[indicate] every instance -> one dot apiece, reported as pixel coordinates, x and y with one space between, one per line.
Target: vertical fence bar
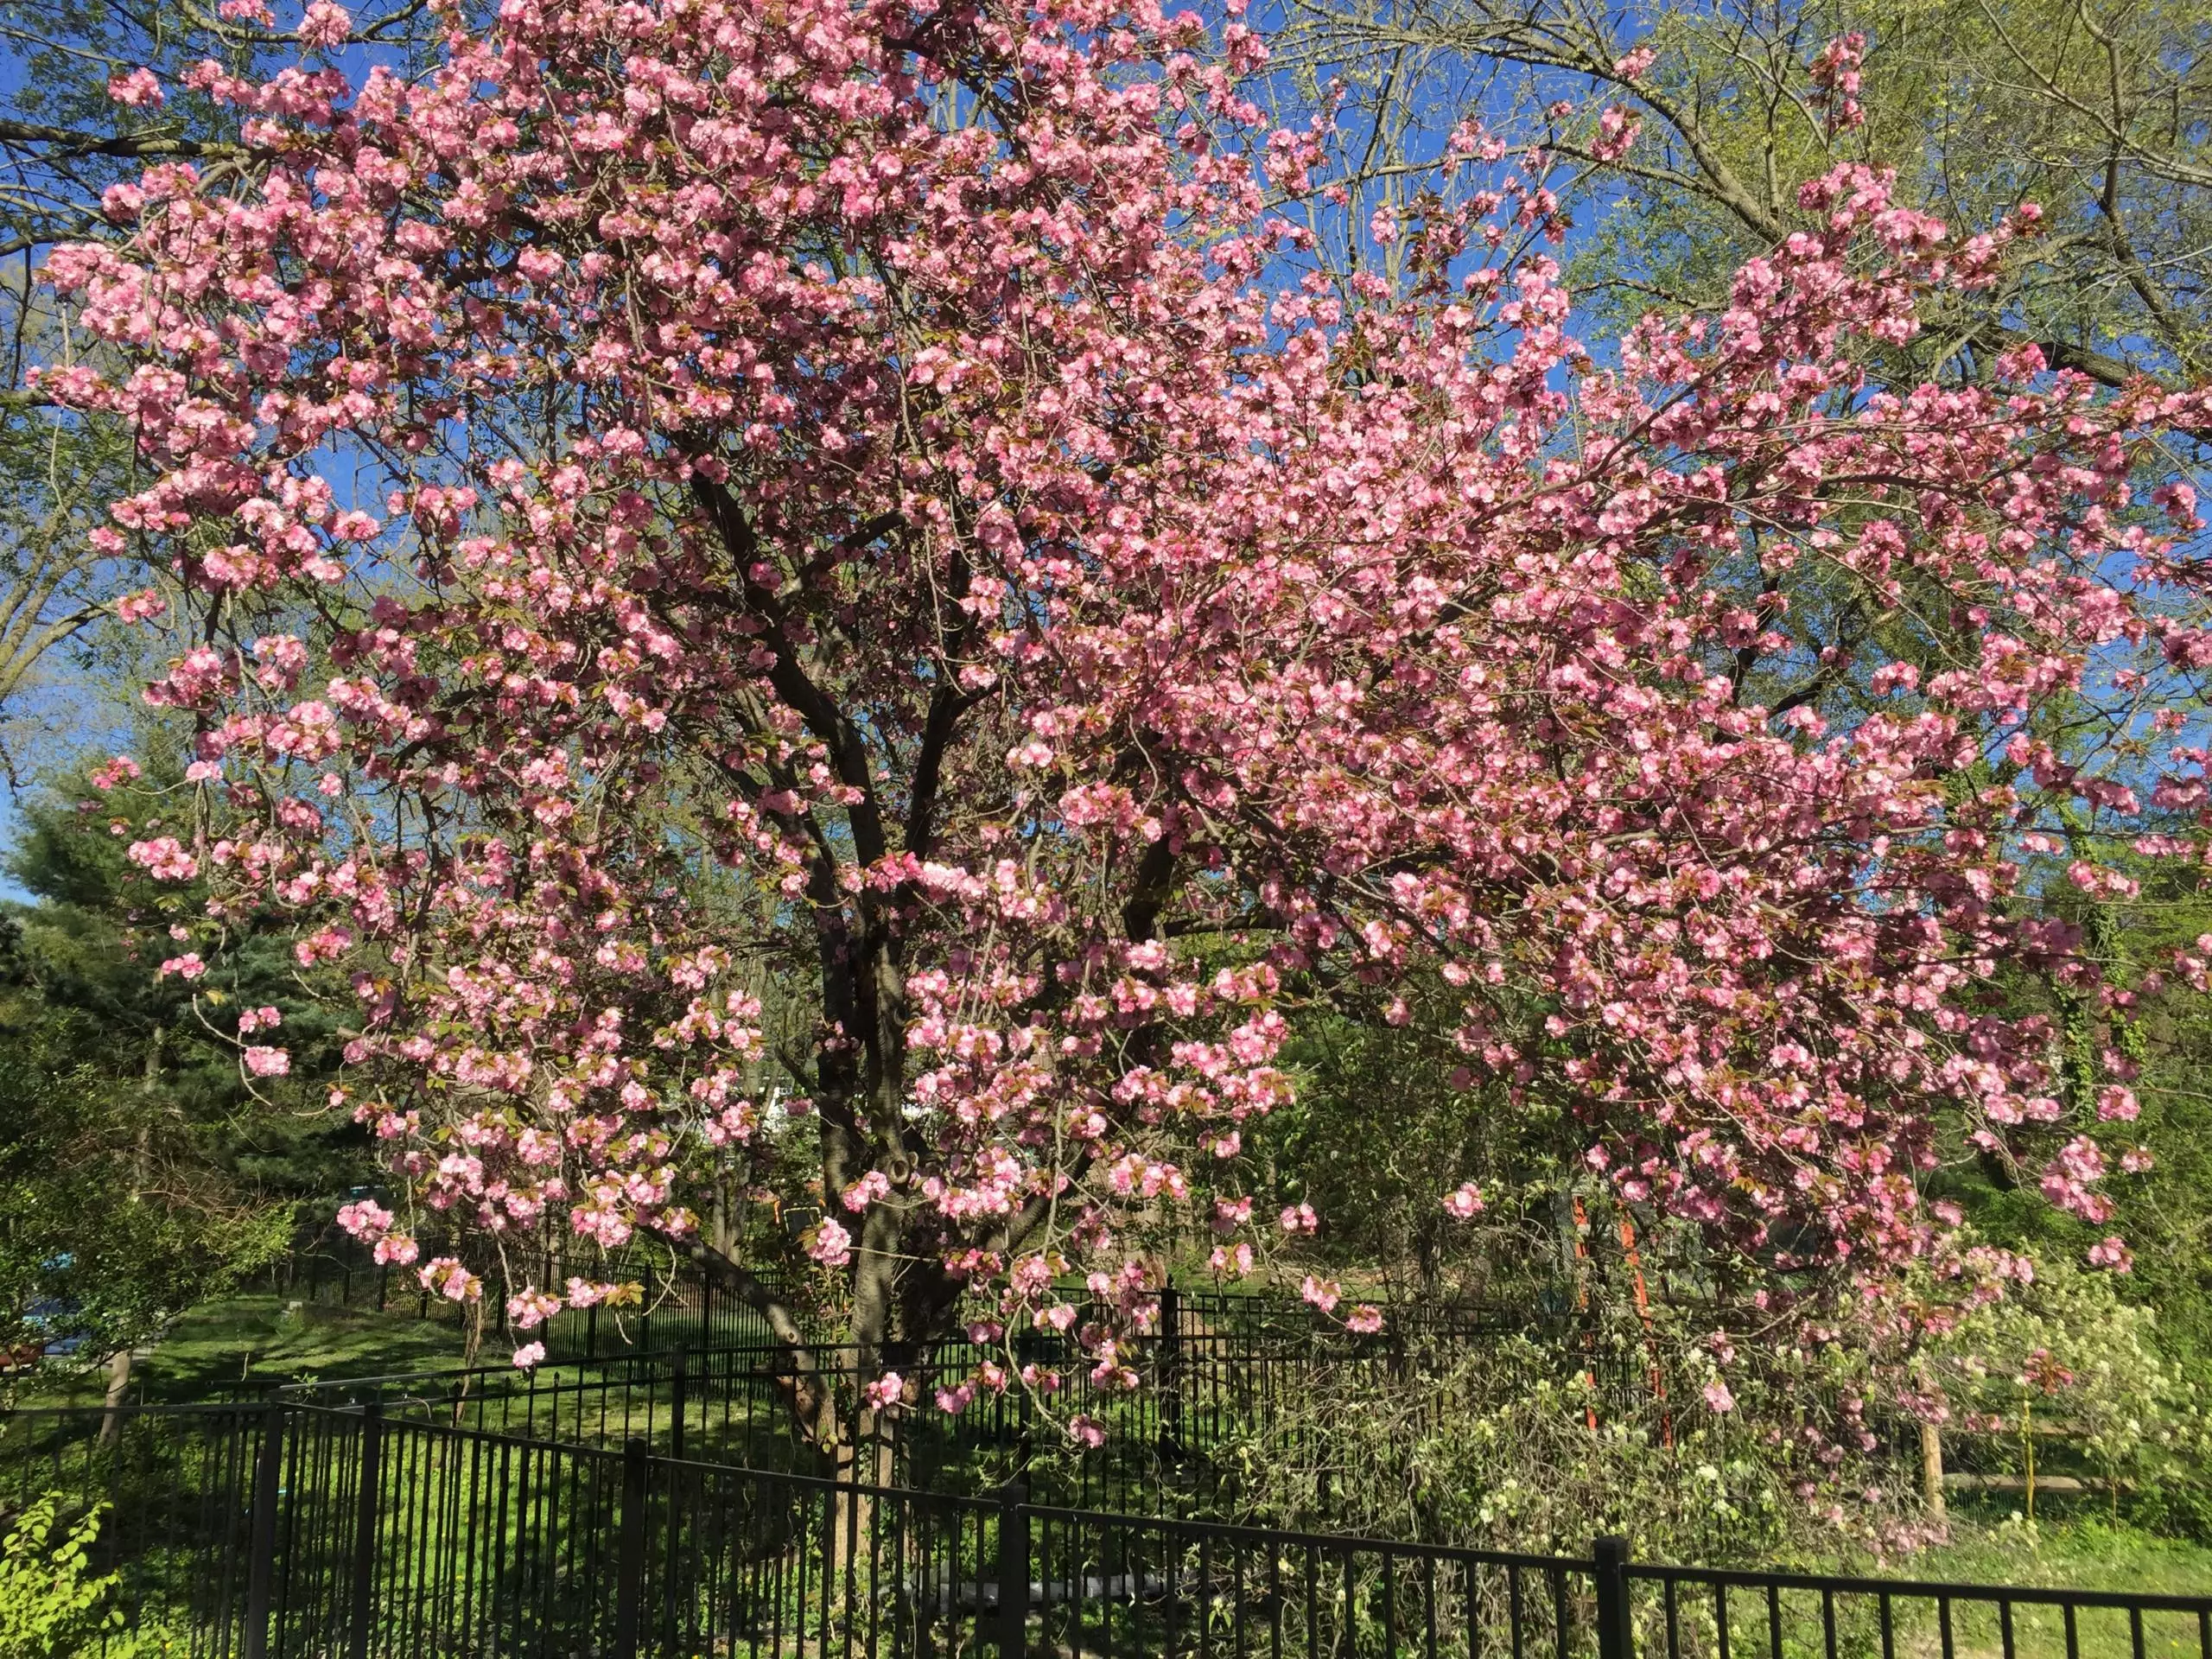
1616 1636
630 1564
1013 1570
1171 1368
678 1381
261 1565
368 1494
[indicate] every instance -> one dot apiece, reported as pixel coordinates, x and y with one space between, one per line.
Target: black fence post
261 1559
678 1405
1013 1570
1609 1557
367 1497
1171 1368
679 1370
630 1564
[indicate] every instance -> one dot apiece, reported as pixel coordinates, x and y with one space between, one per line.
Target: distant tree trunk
119 1364
1657 1375
1931 1471
118 1385
472 1343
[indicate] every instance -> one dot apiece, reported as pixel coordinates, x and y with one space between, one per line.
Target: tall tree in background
145 1166
2093 112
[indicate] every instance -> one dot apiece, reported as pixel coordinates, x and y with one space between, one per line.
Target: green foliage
109 1231
141 1171
53 1605
1530 1443
2067 1354
1378 1134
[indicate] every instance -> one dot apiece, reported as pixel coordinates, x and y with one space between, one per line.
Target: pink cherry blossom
529 1308
1835 74
830 1244
137 90
365 1218
264 1062
325 24
2113 1253
164 859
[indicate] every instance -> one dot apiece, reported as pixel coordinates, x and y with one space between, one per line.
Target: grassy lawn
2086 1553
1986 1548
248 1340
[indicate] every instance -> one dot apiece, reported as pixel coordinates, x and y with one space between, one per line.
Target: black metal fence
291 1532
1207 1398
682 1308
678 1307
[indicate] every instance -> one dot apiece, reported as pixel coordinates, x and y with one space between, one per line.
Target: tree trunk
725 1238
118 1385
471 1321
813 1398
1931 1471
119 1364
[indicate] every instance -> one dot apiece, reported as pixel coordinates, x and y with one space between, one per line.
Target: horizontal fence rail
291 1531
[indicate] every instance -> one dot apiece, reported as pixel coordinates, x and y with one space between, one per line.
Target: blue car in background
50 1313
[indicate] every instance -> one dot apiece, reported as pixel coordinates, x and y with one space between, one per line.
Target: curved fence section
682 1306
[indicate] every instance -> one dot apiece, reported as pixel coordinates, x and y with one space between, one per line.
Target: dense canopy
842 562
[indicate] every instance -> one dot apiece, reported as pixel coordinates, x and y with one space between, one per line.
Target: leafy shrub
52 1604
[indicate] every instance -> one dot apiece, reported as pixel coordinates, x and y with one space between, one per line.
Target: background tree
146 1169
2093 112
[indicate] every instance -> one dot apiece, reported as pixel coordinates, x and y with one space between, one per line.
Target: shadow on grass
247 1341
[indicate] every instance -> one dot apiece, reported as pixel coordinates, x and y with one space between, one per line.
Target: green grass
2081 1552
247 1340
1987 1548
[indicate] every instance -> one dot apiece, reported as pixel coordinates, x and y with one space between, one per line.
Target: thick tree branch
848 749
68 143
